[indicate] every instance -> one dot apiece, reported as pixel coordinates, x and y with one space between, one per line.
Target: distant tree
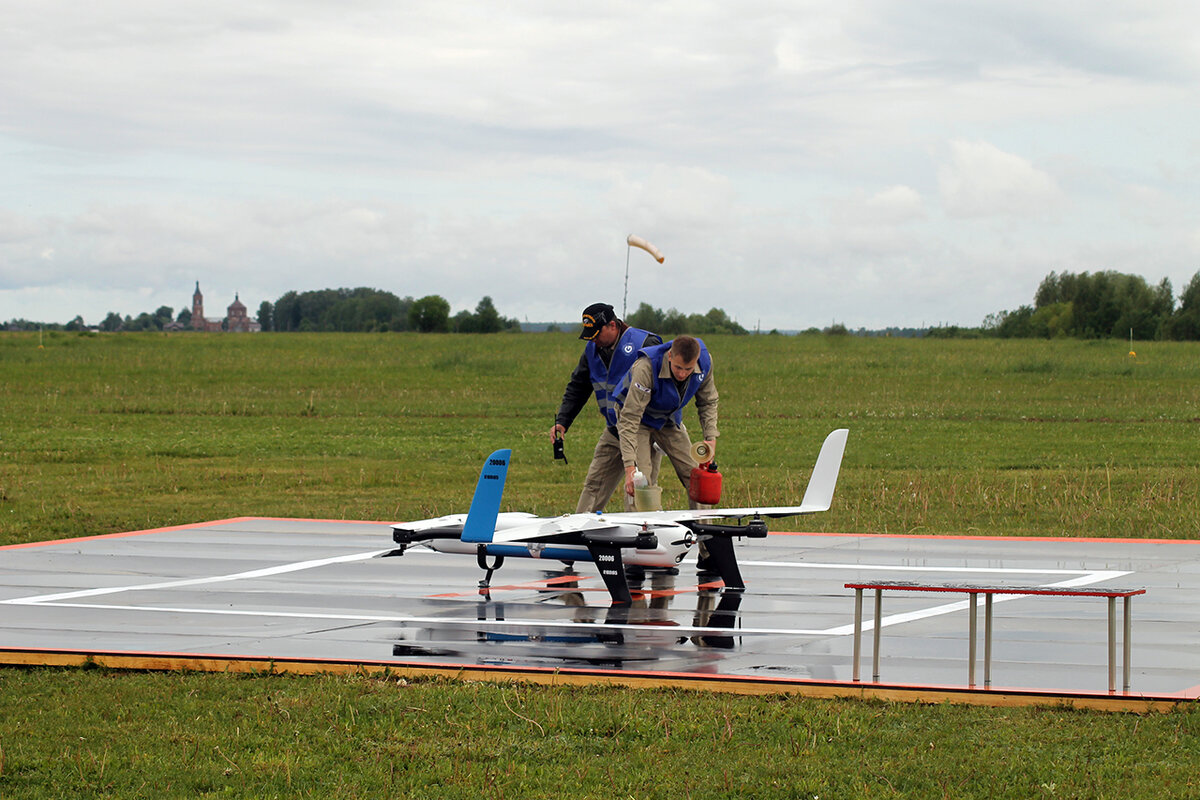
487 318
264 315
1184 324
112 322
1090 305
1053 321
76 324
646 317
162 316
715 321
1013 324
429 314
1104 304
30 325
938 332
401 322
360 309
185 317
464 322
287 313
673 322
142 322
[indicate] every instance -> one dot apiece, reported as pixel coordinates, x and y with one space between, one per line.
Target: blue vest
607 379
666 401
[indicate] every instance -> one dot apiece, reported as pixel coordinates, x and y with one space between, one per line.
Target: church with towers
236 320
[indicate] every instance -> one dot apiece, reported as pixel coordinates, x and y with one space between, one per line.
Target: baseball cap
595 317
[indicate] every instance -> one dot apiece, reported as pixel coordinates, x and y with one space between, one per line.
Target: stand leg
1127 644
857 630
972 626
1112 645
878 627
987 641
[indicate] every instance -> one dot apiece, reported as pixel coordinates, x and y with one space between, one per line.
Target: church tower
198 309
236 319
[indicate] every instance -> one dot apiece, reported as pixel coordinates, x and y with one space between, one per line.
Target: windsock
637 241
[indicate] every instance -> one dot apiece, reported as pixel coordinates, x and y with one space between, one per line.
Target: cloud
894 205
981 180
879 162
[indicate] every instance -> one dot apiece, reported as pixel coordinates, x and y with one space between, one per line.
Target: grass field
110 433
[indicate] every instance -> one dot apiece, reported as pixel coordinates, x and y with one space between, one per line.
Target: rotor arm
407 536
718 540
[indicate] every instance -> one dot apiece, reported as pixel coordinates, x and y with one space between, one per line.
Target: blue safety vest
607 379
666 401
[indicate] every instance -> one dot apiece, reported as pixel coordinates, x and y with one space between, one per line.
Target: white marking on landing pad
1084 578
236 576
894 568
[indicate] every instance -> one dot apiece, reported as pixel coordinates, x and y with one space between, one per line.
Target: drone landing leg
612 570
720 552
481 559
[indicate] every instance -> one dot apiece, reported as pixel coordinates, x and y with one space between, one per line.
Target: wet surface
317 590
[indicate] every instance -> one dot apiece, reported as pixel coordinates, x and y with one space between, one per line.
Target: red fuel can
705 486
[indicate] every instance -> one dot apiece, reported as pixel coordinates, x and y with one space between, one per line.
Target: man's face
680 369
608 335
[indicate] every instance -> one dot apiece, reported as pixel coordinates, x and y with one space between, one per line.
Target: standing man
663 380
612 348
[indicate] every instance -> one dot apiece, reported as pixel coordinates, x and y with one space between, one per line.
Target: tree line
373 310
672 323
1099 305
1085 305
342 310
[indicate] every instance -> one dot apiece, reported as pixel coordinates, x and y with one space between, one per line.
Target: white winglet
819 494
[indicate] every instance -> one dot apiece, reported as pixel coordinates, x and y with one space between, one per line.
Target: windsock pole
625 299
636 241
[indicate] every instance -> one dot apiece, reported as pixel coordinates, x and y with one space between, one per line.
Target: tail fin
819 494
485 507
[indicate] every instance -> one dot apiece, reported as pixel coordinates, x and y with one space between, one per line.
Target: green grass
111 433
93 733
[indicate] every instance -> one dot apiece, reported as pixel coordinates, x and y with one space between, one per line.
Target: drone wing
818 496
550 527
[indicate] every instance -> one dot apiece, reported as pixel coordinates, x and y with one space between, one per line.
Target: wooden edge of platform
743 685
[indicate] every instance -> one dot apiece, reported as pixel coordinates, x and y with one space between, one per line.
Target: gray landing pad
313 590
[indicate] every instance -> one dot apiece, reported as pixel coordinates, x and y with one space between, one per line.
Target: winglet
818 496
485 506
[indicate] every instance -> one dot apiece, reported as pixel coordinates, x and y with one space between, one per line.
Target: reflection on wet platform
316 591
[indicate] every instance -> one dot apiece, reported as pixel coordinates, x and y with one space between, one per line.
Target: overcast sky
872 163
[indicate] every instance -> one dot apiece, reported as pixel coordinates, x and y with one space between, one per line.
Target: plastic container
705 485
648 498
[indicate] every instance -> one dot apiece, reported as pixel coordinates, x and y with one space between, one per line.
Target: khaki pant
606 474
677 446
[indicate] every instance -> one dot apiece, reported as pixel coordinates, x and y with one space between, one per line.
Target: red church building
236 320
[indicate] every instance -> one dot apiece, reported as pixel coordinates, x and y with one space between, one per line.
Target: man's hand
629 480
557 432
